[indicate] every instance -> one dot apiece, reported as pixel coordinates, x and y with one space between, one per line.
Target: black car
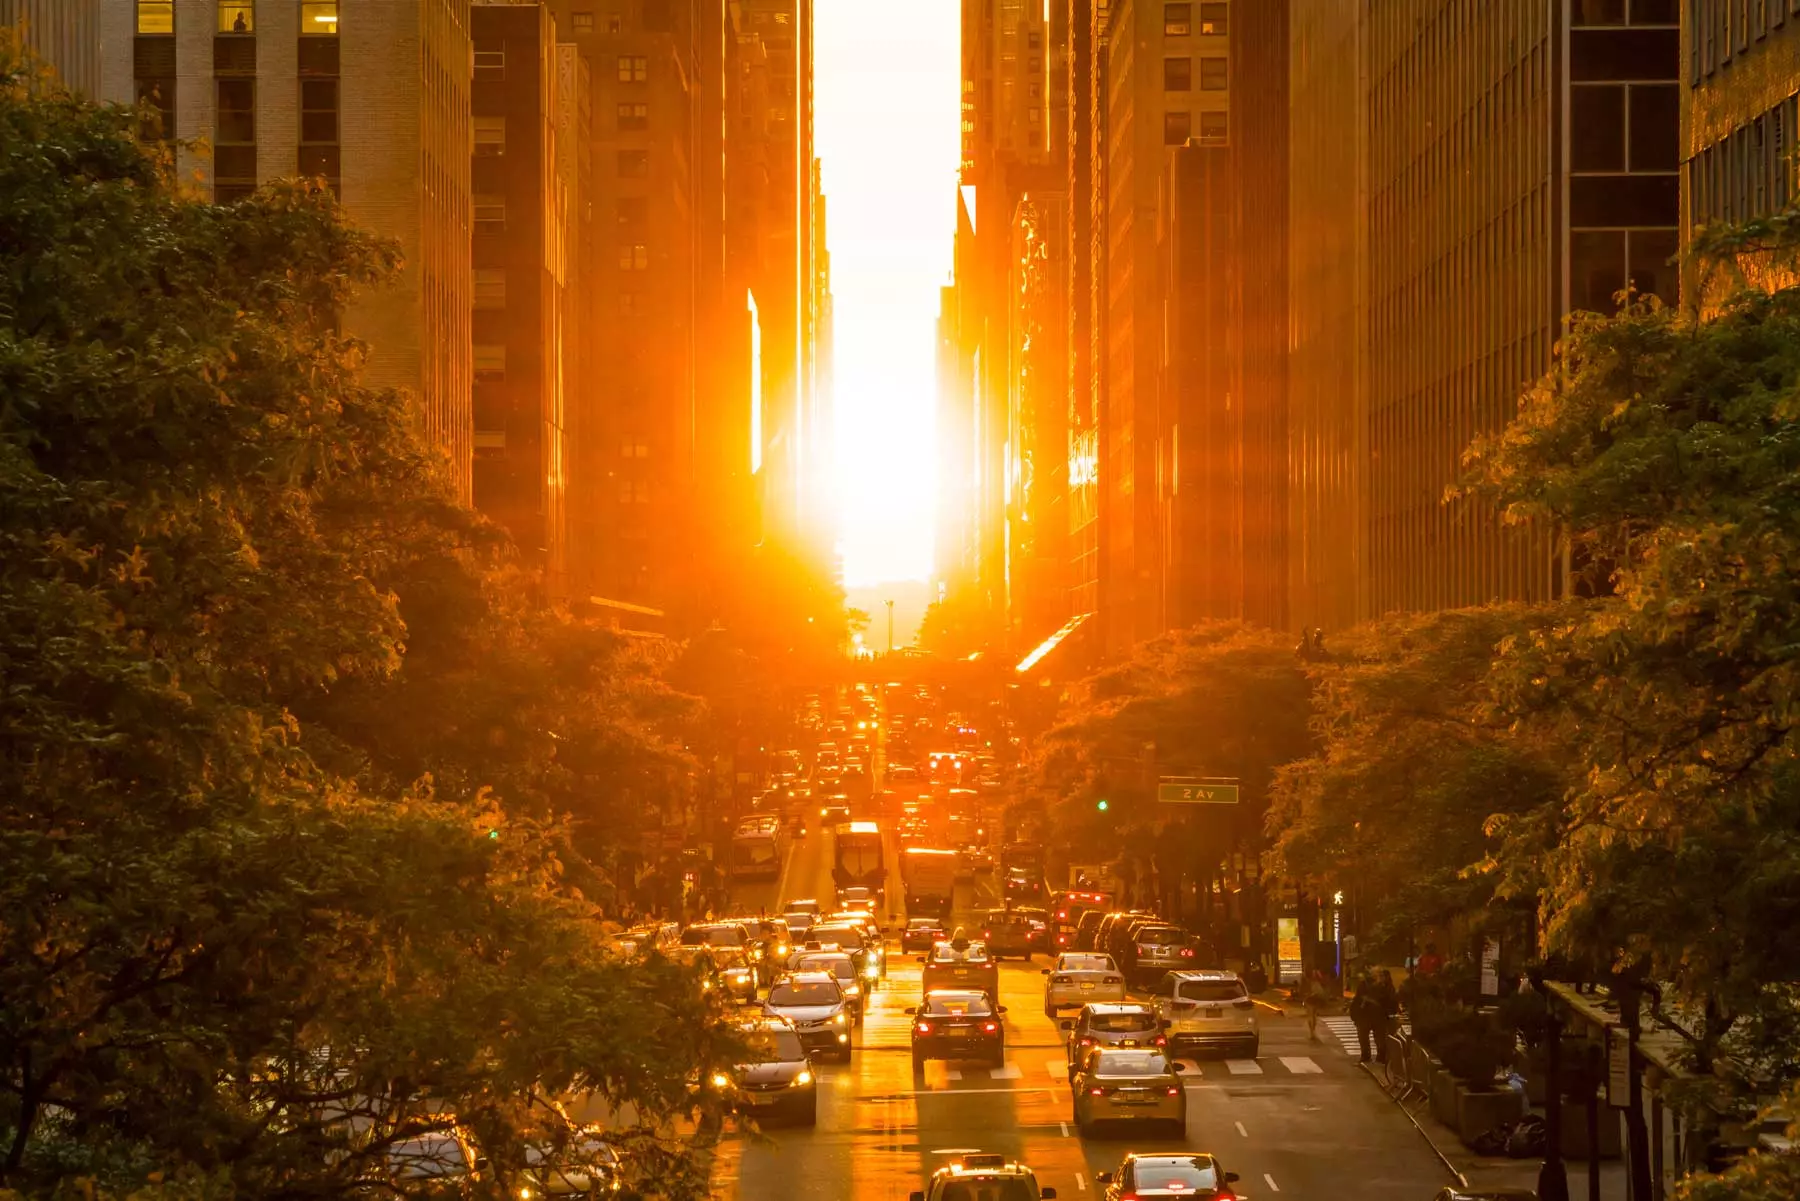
957 1024
922 933
778 1081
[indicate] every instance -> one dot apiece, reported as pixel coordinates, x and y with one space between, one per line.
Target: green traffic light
494 835
1102 806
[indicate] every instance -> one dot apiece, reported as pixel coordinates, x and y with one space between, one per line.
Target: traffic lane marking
1241 1130
1244 1067
1270 1181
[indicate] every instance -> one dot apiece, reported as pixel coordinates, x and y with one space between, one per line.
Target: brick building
65 34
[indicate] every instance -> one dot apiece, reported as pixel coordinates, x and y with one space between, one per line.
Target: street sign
1196 792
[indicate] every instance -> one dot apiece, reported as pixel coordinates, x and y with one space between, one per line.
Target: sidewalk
1499 1172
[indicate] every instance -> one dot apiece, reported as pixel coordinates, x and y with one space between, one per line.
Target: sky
887 123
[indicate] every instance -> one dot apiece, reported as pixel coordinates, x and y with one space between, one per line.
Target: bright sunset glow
888 117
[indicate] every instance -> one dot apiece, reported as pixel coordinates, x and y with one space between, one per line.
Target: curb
1462 1181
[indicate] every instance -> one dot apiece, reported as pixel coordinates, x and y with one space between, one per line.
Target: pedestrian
1387 1008
1362 1007
1430 963
1315 997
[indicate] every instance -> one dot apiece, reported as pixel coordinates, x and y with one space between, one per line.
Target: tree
227 923
1665 446
1412 766
1222 699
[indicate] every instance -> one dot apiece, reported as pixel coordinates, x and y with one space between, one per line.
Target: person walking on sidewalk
1387 1009
1315 998
1362 1013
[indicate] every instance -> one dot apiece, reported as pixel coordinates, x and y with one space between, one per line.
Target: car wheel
1254 1046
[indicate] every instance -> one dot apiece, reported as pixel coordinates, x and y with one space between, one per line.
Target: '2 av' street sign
1196 792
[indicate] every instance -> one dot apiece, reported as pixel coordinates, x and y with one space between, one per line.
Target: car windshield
1131 1063
428 1155
579 1154
842 968
1176 1173
1087 963
974 1005
807 992
843 936
774 1045
949 954
1160 934
1010 1189
1210 990
921 923
1121 1023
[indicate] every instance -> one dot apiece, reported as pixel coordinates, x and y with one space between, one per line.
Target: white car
1207 1010
1080 977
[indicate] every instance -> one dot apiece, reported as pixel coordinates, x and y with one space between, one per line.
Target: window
490 66
490 214
1597 127
1178 74
318 110
490 364
1177 128
615 24
1212 75
584 22
490 287
237 16
636 492
634 256
634 164
1178 20
1212 19
236 113
633 68
319 17
633 117
156 16
634 448
490 137
1213 128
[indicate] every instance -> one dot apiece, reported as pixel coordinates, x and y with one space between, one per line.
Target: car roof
983 1164
955 994
807 977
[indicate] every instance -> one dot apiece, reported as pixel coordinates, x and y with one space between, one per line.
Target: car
1178 1175
1006 933
983 1177
839 965
802 905
856 898
834 811
799 926
717 934
1109 935
736 972
957 1023
436 1163
959 963
1080 977
1128 1084
1207 1010
777 1080
585 1165
1151 947
1111 1024
815 1004
921 933
853 938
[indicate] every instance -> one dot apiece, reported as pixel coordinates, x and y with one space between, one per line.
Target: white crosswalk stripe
1244 1067
1300 1065
1008 1071
1344 1030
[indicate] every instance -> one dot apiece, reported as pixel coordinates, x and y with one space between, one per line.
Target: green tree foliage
1222 699
1413 762
1758 1176
1665 445
272 851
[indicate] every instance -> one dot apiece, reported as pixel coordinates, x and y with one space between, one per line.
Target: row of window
1178 74
239 16
1178 20
1720 29
1178 128
1749 173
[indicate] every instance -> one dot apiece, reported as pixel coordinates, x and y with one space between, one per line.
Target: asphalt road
1299 1122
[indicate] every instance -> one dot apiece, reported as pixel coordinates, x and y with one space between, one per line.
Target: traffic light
494 834
1102 805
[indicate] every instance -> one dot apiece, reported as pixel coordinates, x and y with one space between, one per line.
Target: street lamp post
890 609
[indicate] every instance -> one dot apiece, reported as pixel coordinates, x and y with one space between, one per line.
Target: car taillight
1087 1042
1173 1091
1161 1041
1115 980
924 1027
1187 952
1096 1092
987 934
1062 916
989 1027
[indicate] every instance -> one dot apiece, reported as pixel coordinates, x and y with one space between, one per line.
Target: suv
1085 929
983 1177
840 965
1207 1009
1007 933
816 1006
1106 935
1149 947
1111 1024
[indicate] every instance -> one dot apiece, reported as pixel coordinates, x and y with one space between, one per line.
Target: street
1299 1121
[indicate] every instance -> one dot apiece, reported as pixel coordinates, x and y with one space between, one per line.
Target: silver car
817 1007
1080 977
1207 1010
1114 1084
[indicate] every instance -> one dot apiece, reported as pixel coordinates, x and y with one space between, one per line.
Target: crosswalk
1344 1030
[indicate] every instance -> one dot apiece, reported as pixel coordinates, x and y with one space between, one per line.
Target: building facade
526 202
1739 113
1513 164
65 34
311 89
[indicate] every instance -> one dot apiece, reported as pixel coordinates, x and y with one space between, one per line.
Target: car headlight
781 948
803 1079
853 991
872 971
721 1080
839 1018
525 1194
